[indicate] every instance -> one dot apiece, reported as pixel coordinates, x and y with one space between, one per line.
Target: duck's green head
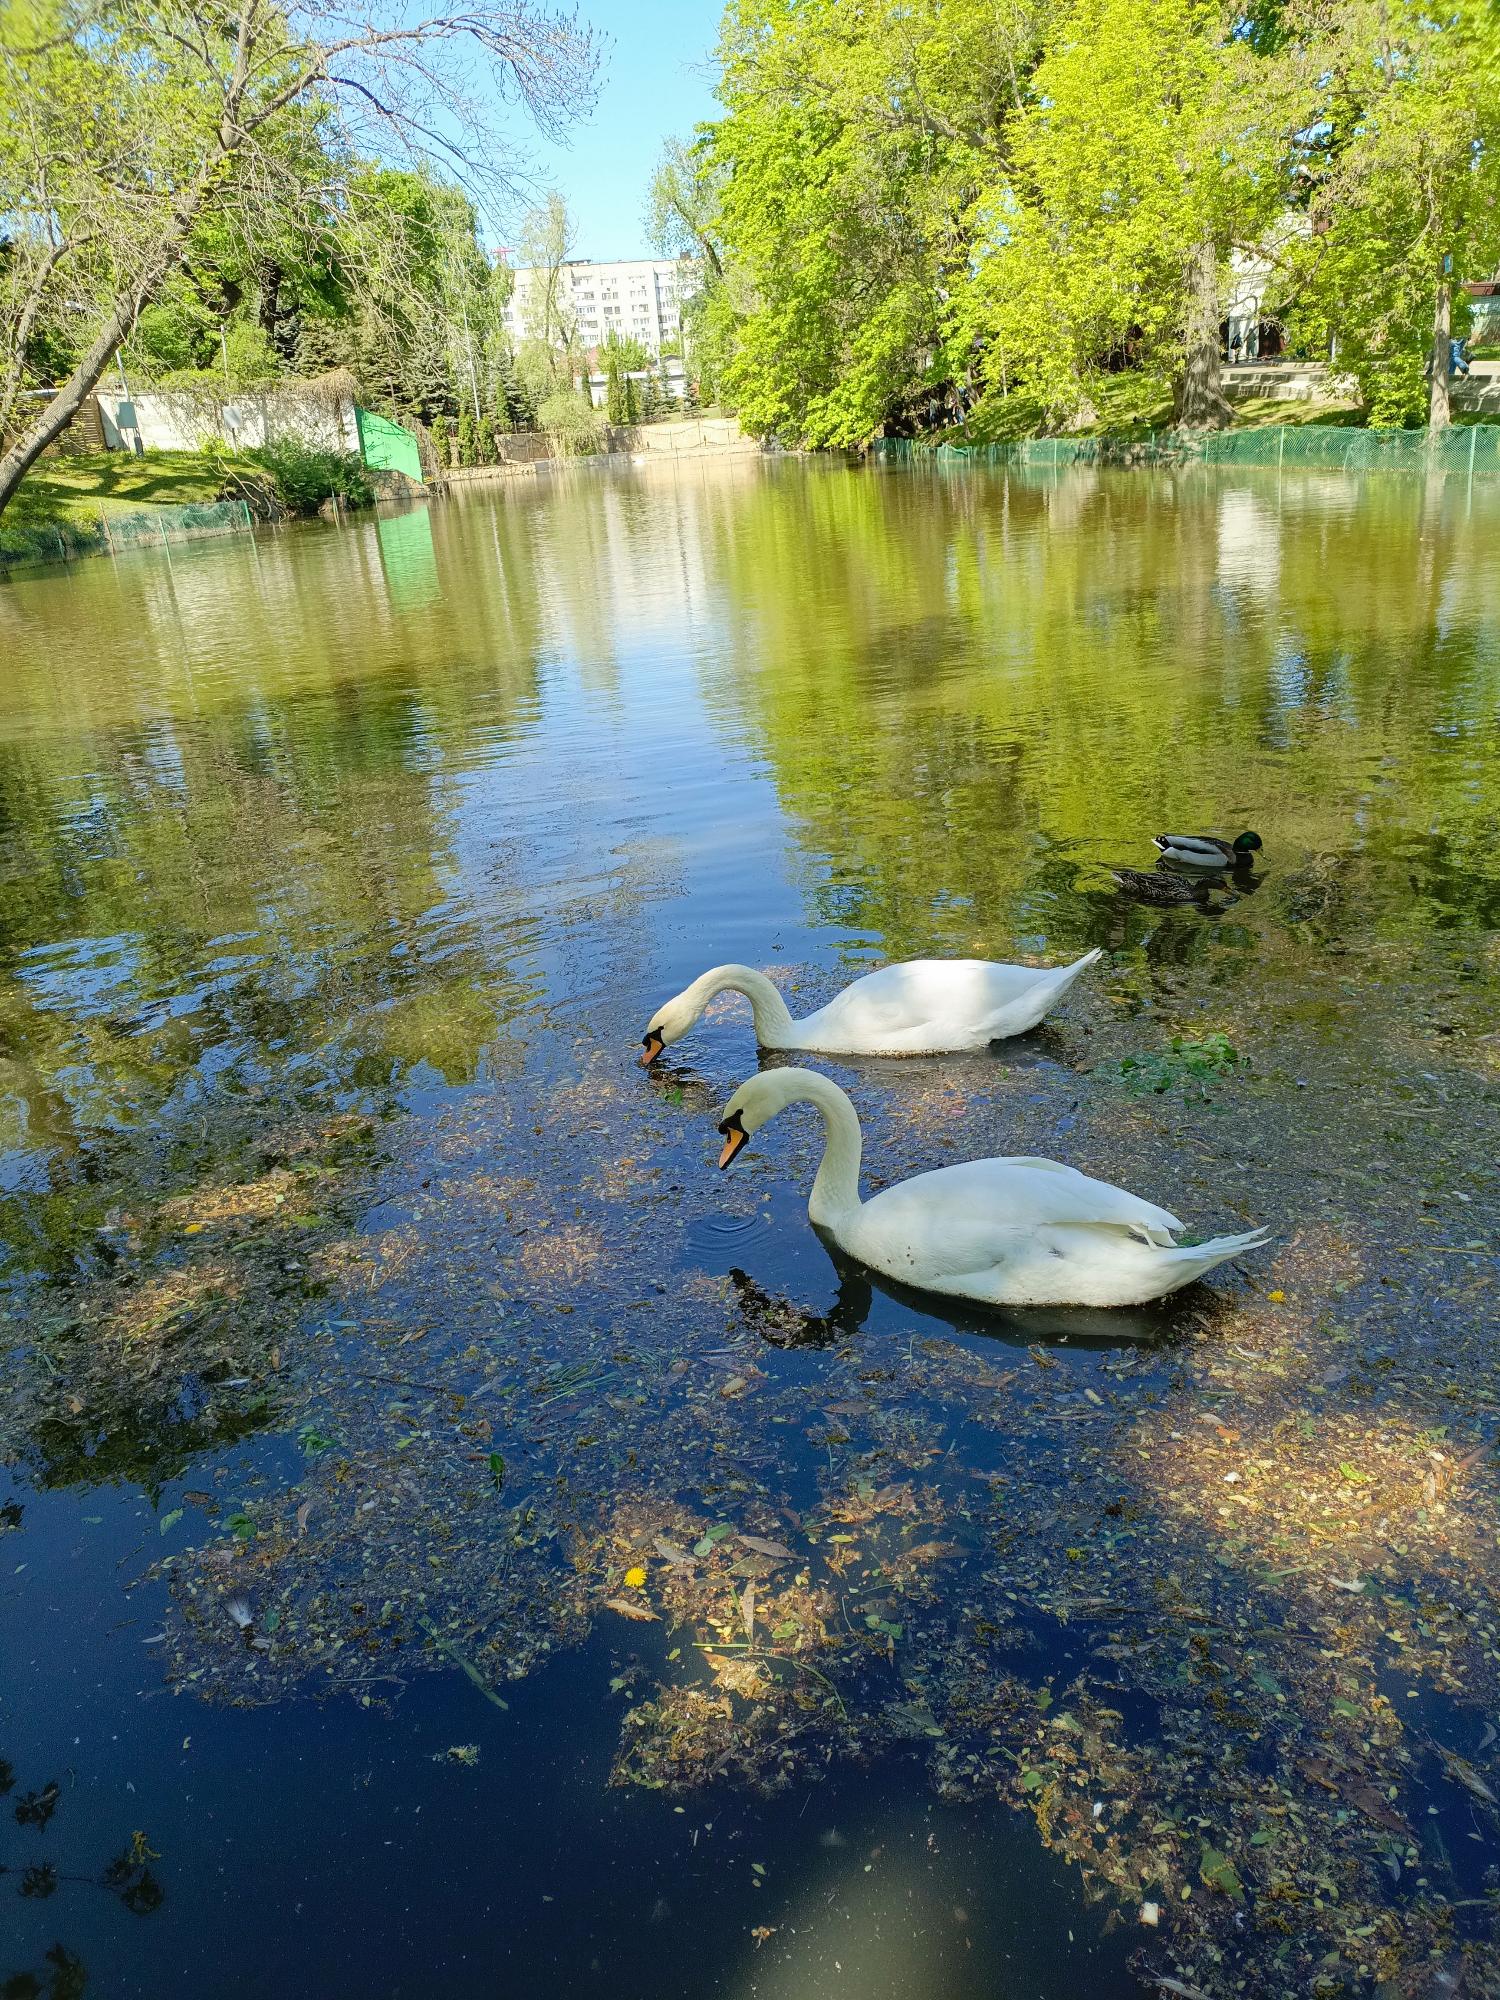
1248 843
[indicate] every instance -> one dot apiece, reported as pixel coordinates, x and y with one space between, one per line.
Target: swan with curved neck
927 1006
1004 1232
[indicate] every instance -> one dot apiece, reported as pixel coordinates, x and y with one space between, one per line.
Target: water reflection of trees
128 1876
971 686
235 881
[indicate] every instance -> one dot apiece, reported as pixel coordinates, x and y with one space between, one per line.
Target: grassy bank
64 505
1127 408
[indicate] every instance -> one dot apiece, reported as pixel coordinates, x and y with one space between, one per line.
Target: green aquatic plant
1191 1064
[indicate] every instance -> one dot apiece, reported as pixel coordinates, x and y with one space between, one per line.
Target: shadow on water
1089 1329
550 1879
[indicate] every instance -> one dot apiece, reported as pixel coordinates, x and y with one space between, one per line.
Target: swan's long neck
835 1192
773 1022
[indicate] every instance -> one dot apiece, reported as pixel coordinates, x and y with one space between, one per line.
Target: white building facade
640 299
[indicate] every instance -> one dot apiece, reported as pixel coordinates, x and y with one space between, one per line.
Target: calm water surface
340 870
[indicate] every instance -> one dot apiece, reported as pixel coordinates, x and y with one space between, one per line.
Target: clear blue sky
657 85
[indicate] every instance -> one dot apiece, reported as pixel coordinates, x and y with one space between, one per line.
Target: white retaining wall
184 420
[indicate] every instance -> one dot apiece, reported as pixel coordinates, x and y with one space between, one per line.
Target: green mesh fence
174 524
82 535
1465 448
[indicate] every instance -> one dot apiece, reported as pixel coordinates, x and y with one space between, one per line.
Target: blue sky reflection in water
354 1267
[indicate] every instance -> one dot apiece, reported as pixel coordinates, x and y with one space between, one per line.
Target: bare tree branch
146 120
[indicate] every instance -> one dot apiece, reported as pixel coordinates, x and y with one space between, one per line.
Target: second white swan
1008 1232
926 1007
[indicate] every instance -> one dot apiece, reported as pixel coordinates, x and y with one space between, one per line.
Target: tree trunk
1200 399
1439 400
165 254
69 400
74 393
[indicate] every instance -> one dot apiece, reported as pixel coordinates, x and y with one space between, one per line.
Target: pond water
357 1278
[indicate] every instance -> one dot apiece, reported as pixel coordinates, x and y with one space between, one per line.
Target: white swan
929 1006
1016 1232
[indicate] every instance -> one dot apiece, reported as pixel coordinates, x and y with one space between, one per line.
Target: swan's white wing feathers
924 989
959 1218
933 1003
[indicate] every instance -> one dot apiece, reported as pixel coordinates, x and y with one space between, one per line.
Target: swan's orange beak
651 1047
735 1137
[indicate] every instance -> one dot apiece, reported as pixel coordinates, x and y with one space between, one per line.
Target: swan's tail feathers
1059 980
1192 1260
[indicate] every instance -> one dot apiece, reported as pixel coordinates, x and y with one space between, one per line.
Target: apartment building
641 298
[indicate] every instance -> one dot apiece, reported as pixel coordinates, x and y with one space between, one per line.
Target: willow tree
1153 145
127 125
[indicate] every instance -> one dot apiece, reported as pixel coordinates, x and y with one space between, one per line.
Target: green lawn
117 482
1131 407
1258 411
61 500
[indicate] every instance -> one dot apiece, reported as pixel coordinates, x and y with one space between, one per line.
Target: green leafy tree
1148 150
421 321
632 353
682 204
910 206
545 247
573 426
616 394
856 142
145 124
1401 177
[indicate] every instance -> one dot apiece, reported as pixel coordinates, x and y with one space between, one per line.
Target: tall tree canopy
917 205
857 137
1399 159
1147 151
132 131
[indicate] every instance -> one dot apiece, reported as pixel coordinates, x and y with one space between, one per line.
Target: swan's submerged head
668 1024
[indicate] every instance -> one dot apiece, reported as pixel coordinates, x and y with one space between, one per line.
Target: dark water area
361 1286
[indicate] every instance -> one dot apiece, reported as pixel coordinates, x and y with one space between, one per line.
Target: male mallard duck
1206 850
1164 888
1013 1232
926 1007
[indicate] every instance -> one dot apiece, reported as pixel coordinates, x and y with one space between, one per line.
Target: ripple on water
710 1235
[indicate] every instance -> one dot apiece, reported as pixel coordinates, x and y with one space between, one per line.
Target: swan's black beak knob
735 1137
651 1047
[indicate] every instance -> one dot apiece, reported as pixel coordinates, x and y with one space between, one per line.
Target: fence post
109 540
1280 445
